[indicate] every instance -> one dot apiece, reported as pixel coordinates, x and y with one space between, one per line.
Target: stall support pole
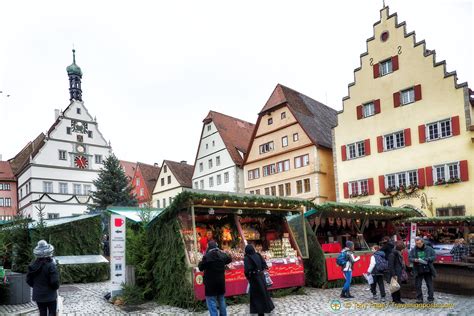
194 229
304 232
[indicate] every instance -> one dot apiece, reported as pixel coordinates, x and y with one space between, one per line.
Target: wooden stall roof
348 210
439 220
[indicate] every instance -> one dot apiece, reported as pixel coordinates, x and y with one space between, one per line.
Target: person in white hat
43 277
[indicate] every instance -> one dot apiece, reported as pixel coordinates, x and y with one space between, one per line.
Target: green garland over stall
440 220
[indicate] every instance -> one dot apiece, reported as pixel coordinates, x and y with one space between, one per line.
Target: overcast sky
153 69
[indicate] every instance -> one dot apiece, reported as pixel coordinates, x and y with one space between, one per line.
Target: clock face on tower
81 162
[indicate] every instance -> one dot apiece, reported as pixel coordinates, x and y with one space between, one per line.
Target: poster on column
412 235
117 252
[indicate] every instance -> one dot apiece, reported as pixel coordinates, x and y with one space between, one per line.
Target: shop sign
412 235
117 252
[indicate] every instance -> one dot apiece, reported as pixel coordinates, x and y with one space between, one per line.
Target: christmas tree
112 187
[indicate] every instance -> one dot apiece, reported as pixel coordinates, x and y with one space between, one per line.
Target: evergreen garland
112 186
440 219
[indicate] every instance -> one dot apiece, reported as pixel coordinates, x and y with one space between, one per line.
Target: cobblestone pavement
87 299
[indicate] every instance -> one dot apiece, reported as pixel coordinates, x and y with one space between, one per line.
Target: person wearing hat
347 269
43 277
213 264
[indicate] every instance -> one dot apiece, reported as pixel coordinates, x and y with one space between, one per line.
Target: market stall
275 226
441 232
335 223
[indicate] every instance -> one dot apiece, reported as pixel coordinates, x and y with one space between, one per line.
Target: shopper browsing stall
347 261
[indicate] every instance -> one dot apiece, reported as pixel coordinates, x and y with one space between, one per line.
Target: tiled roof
6 172
182 172
21 160
150 174
315 118
235 133
129 168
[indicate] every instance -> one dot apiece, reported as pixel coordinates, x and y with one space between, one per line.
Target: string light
204 200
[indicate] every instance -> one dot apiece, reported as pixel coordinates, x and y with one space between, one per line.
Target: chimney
184 162
156 164
56 114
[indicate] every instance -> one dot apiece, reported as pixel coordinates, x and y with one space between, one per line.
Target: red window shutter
382 184
422 133
377 106
455 125
421 177
367 147
359 112
396 99
371 186
343 153
376 71
346 190
418 92
429 176
407 134
379 144
395 63
464 173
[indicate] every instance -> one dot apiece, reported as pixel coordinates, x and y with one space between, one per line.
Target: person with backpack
346 260
377 268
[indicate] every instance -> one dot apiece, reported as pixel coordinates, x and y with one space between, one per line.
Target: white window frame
211 182
407 96
8 202
62 154
75 187
226 177
368 109
88 189
407 175
48 187
447 171
358 185
394 140
209 163
439 129
354 150
265 148
218 161
218 179
2 202
284 141
386 67
296 137
63 187
98 159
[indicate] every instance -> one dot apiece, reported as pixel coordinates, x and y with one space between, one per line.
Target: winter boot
343 294
348 294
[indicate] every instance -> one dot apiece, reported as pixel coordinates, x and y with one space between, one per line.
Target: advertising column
117 253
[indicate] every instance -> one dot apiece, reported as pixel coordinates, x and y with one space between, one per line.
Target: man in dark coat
422 257
213 264
43 277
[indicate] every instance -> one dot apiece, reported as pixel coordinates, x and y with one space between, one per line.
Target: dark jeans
47 308
397 296
429 283
378 279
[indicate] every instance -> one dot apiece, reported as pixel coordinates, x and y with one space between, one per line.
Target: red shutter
382 184
429 176
343 153
367 146
407 134
379 144
418 92
371 186
359 112
422 133
464 173
421 177
395 63
455 125
346 190
396 99
377 106
376 71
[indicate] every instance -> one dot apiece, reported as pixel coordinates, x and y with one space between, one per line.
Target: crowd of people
387 265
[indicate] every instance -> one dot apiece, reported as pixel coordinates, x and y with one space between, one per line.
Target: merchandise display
282 248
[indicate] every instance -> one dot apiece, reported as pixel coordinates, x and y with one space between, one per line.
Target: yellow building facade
405 134
290 152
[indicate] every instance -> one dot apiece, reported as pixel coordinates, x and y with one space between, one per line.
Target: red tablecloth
334 247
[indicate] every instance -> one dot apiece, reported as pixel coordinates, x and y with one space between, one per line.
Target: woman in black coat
254 265
396 268
43 277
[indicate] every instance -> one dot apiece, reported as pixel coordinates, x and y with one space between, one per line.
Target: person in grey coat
422 256
43 277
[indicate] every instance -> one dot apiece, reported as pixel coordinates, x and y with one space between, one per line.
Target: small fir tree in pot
112 187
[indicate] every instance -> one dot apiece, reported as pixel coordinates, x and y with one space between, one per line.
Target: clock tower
56 171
